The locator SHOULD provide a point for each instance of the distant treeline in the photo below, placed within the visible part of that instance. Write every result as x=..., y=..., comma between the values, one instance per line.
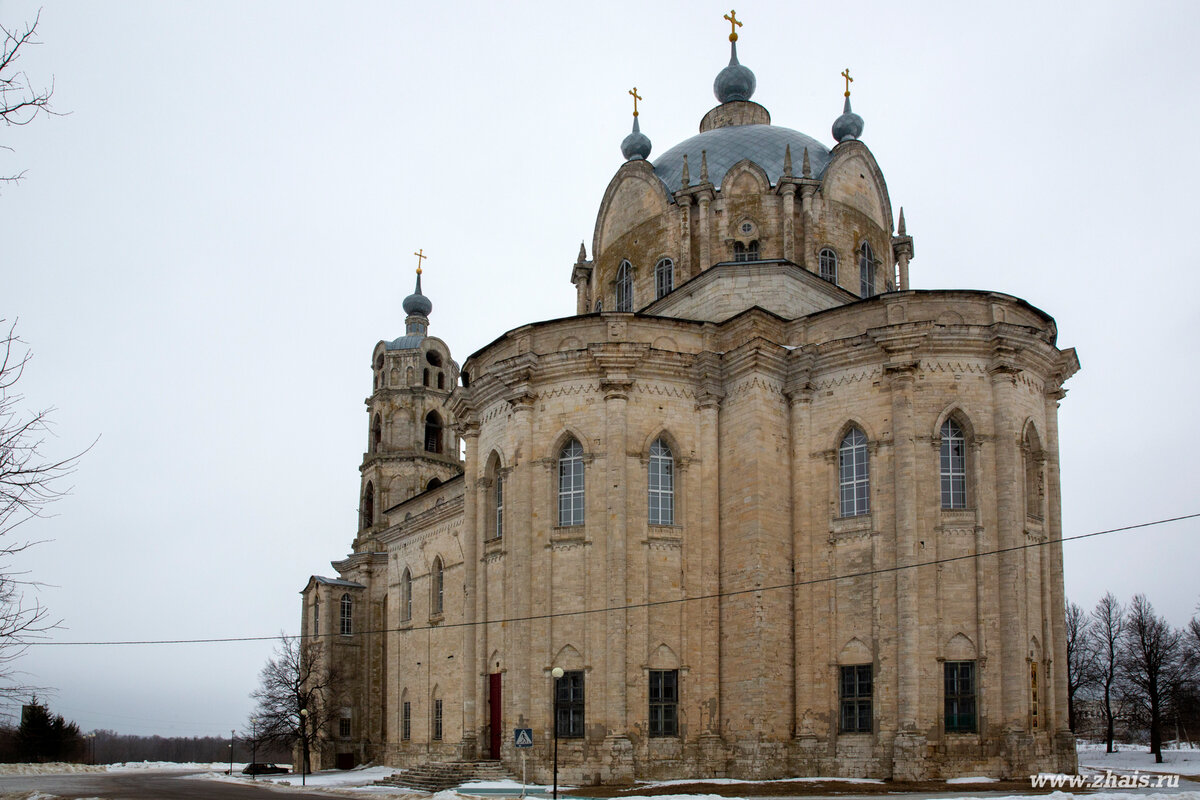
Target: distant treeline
x=44, y=737
x=111, y=747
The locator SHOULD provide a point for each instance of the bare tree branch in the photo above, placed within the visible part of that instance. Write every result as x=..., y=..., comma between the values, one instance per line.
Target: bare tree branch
x=29, y=483
x=21, y=100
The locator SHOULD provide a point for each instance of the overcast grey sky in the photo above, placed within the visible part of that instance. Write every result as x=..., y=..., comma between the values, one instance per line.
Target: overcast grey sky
x=205, y=251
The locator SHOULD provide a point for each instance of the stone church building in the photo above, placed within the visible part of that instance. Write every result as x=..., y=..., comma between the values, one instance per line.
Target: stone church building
x=772, y=511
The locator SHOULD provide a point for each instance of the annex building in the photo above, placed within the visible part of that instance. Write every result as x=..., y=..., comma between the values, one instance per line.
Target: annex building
x=748, y=496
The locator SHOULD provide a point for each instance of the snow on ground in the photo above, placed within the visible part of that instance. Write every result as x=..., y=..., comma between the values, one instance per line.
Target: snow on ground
x=1129, y=757
x=50, y=768
x=332, y=779
x=977, y=779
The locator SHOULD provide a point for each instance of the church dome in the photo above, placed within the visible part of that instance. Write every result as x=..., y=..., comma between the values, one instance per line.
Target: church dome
x=763, y=145
x=417, y=304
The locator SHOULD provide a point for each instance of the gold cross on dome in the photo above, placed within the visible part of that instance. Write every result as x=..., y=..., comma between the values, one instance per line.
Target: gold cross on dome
x=849, y=80
x=636, y=97
x=420, y=254
x=732, y=19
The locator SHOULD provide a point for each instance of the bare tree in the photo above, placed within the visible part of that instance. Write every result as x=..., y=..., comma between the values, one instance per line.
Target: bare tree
x=20, y=99
x=297, y=696
x=1108, y=621
x=1082, y=668
x=29, y=482
x=1153, y=665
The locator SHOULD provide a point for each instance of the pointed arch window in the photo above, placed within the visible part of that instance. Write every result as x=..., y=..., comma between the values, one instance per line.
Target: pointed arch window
x=406, y=596
x=1035, y=475
x=854, y=480
x=376, y=433
x=498, y=507
x=347, y=618
x=661, y=484
x=570, y=484
x=664, y=277
x=368, y=506
x=866, y=270
x=624, y=287
x=317, y=616
x=437, y=590
x=433, y=433
x=953, y=465
x=827, y=263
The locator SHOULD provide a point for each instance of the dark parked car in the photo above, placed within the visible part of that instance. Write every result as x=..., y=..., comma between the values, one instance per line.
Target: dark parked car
x=259, y=768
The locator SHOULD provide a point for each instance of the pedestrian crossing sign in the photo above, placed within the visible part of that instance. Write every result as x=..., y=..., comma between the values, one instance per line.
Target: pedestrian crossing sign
x=523, y=737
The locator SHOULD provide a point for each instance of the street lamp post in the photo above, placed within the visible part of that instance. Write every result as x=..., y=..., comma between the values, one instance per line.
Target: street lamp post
x=557, y=672
x=253, y=748
x=231, y=735
x=303, y=745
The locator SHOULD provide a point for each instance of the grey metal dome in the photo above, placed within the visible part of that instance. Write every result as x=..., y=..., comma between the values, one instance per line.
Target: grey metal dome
x=635, y=146
x=417, y=304
x=849, y=125
x=735, y=82
x=764, y=145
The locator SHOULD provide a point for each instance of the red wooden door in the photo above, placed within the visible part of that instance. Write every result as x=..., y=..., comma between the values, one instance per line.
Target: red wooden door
x=497, y=721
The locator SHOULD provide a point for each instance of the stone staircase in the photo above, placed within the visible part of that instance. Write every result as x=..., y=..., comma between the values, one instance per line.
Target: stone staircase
x=437, y=776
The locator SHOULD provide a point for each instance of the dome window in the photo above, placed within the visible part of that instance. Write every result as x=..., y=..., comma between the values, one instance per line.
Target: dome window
x=664, y=277
x=434, y=358
x=624, y=287
x=866, y=270
x=827, y=263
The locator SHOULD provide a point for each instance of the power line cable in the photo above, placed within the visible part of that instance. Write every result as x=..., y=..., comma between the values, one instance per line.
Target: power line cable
x=649, y=604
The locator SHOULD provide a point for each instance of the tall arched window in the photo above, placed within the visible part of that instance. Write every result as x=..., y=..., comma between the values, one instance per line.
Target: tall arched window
x=317, y=616
x=661, y=484
x=827, y=263
x=953, y=465
x=866, y=270
x=437, y=589
x=498, y=507
x=854, y=479
x=624, y=287
x=368, y=506
x=664, y=277
x=433, y=433
x=406, y=596
x=376, y=433
x=1035, y=476
x=570, y=484
x=347, y=619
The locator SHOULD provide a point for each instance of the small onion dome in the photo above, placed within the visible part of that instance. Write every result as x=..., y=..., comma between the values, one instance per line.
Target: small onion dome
x=636, y=146
x=849, y=125
x=735, y=82
x=417, y=304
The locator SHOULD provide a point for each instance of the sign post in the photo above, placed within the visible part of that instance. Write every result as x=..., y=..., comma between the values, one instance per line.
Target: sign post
x=523, y=739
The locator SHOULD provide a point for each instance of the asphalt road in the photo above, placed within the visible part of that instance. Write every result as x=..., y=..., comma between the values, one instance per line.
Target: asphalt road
x=155, y=785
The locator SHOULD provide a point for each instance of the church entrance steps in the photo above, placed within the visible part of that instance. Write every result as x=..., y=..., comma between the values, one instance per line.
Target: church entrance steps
x=438, y=776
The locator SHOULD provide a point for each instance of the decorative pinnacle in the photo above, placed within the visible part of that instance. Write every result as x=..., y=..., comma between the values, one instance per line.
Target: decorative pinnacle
x=734, y=24
x=636, y=97
x=787, y=161
x=849, y=80
x=704, y=166
x=420, y=254
x=582, y=254
x=806, y=167
x=901, y=231
x=685, y=177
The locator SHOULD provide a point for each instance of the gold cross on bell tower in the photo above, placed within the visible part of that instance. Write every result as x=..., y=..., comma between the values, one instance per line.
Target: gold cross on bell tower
x=849, y=80
x=420, y=254
x=732, y=19
x=636, y=97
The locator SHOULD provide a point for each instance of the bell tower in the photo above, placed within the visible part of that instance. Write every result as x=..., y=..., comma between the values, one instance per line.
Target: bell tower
x=411, y=444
